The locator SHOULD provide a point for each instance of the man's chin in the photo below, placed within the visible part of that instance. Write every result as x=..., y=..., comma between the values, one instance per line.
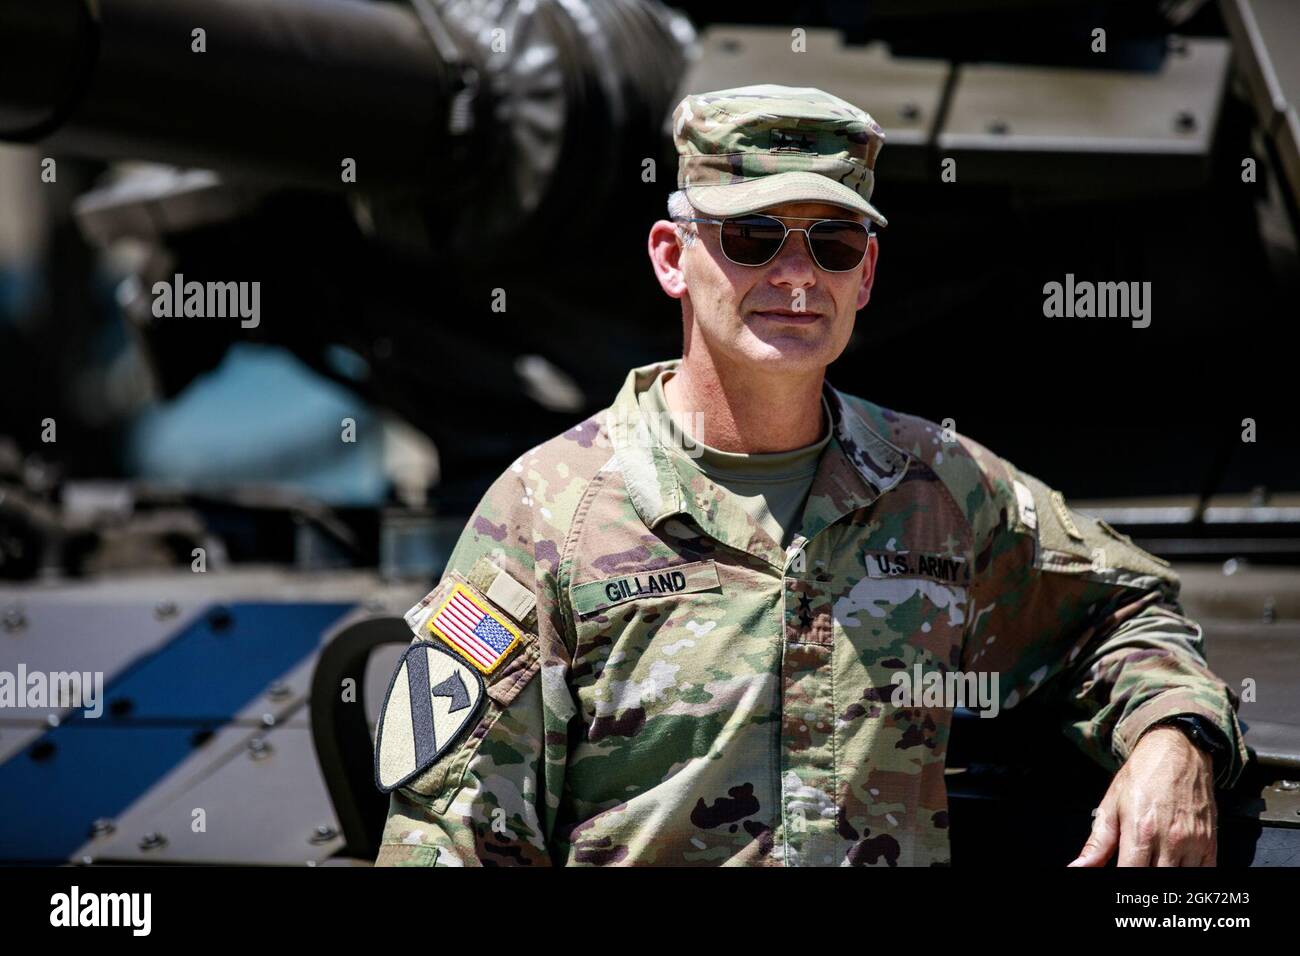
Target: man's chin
x=788, y=351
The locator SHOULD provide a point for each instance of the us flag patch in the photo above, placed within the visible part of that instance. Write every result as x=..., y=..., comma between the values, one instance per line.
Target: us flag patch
x=482, y=636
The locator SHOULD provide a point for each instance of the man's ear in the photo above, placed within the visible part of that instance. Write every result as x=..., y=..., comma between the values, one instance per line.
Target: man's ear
x=869, y=272
x=666, y=258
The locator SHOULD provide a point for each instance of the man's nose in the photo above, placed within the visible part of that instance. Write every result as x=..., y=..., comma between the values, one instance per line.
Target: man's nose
x=793, y=265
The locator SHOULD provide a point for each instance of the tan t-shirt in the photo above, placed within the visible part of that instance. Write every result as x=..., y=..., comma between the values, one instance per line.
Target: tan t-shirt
x=771, y=486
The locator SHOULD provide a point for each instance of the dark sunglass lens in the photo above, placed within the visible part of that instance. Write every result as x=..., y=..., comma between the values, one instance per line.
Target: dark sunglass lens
x=838, y=245
x=751, y=240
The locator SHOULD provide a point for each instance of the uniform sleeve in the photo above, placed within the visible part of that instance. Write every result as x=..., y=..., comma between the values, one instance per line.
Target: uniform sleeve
x=1065, y=607
x=490, y=800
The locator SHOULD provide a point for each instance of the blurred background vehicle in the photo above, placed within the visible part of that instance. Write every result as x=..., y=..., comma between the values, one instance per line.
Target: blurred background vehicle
x=444, y=203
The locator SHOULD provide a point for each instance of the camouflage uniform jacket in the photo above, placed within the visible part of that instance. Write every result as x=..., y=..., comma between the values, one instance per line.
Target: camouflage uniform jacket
x=688, y=693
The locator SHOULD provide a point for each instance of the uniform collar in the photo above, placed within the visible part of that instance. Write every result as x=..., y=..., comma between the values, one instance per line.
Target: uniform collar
x=857, y=467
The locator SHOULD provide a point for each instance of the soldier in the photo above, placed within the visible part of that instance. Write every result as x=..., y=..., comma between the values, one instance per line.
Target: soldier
x=673, y=634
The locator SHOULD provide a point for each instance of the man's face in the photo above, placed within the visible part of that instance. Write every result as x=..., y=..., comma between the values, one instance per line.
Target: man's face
x=788, y=315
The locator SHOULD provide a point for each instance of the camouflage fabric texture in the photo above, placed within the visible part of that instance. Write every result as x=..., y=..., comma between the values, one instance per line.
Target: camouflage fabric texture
x=689, y=693
x=744, y=149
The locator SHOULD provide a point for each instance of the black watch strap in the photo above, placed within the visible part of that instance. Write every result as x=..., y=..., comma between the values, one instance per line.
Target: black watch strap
x=1203, y=734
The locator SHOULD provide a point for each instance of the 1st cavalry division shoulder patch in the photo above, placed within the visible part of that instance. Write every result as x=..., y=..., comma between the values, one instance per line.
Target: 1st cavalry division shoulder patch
x=431, y=700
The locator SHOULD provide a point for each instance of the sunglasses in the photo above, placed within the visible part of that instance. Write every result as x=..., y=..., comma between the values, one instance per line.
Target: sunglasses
x=837, y=245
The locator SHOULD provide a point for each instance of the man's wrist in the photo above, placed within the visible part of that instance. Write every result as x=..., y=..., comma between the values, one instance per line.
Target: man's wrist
x=1203, y=735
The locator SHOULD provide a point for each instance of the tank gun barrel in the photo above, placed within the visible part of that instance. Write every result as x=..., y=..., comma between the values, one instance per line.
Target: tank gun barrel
x=283, y=90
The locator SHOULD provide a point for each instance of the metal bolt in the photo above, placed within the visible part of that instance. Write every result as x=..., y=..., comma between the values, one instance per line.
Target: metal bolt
x=1178, y=45
x=268, y=720
x=1184, y=121
x=37, y=474
x=102, y=828
x=999, y=128
x=164, y=609
x=52, y=720
x=1231, y=566
x=153, y=841
x=279, y=690
x=220, y=620
x=909, y=111
x=258, y=748
x=42, y=750
x=1258, y=496
x=729, y=46
x=1270, y=610
x=323, y=834
x=14, y=620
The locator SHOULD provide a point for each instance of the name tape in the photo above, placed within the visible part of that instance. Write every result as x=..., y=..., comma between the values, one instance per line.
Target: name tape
x=593, y=596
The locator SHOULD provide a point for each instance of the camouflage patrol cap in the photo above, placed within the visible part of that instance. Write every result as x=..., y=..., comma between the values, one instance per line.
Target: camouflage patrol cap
x=747, y=148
